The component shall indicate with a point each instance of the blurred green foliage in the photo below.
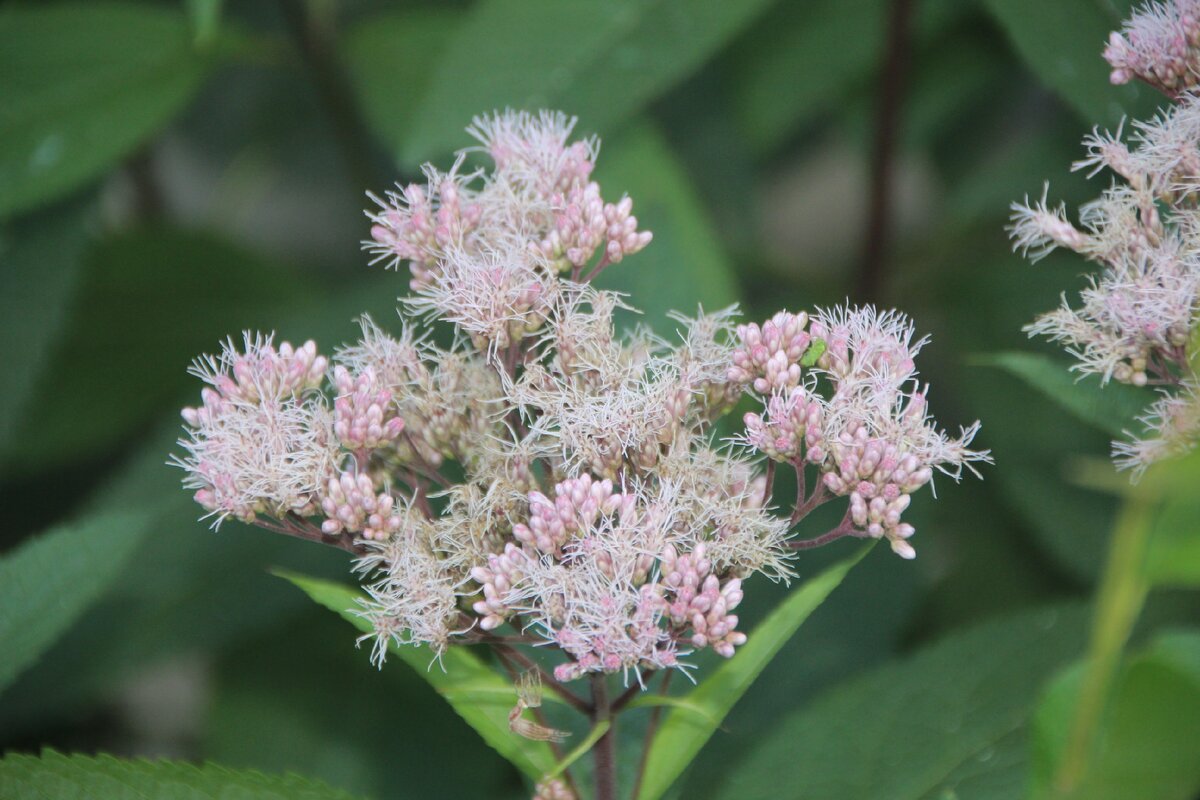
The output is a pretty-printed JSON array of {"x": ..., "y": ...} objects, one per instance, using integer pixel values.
[{"x": 174, "y": 172}]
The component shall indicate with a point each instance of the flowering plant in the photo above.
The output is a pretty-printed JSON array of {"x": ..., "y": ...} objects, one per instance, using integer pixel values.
[{"x": 541, "y": 480}]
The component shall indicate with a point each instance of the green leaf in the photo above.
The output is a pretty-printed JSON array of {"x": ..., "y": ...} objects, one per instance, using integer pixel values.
[
  {"x": 47, "y": 582},
  {"x": 24, "y": 777},
  {"x": 1062, "y": 42},
  {"x": 602, "y": 60},
  {"x": 83, "y": 85},
  {"x": 684, "y": 265},
  {"x": 1150, "y": 742},
  {"x": 946, "y": 722},
  {"x": 1111, "y": 408},
  {"x": 1173, "y": 557},
  {"x": 388, "y": 55},
  {"x": 38, "y": 274},
  {"x": 460, "y": 671},
  {"x": 684, "y": 731}
]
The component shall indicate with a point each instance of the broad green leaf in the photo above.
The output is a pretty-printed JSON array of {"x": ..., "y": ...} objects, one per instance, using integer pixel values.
[
  {"x": 48, "y": 581},
  {"x": 54, "y": 775},
  {"x": 801, "y": 59},
  {"x": 946, "y": 722},
  {"x": 1150, "y": 742},
  {"x": 147, "y": 303},
  {"x": 602, "y": 60},
  {"x": 684, "y": 731},
  {"x": 684, "y": 265},
  {"x": 388, "y": 55},
  {"x": 1173, "y": 558},
  {"x": 459, "y": 670},
  {"x": 1111, "y": 408},
  {"x": 39, "y": 264},
  {"x": 83, "y": 85},
  {"x": 1061, "y": 42}
]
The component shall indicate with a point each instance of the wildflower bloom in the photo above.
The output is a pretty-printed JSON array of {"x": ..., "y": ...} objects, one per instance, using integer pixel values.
[
  {"x": 1158, "y": 44},
  {"x": 1137, "y": 316},
  {"x": 543, "y": 478}
]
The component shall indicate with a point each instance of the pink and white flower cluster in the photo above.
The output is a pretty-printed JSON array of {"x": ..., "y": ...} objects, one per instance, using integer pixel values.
[
  {"x": 544, "y": 477},
  {"x": 1136, "y": 320}
]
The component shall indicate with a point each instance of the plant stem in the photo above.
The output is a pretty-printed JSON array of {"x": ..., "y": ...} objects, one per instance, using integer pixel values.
[
  {"x": 303, "y": 529},
  {"x": 1119, "y": 601},
  {"x": 651, "y": 729},
  {"x": 844, "y": 528},
  {"x": 569, "y": 697},
  {"x": 891, "y": 95},
  {"x": 604, "y": 752}
]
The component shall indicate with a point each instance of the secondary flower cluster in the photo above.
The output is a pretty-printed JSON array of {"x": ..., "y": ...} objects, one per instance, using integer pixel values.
[
  {"x": 543, "y": 478},
  {"x": 1159, "y": 44},
  {"x": 1139, "y": 315}
]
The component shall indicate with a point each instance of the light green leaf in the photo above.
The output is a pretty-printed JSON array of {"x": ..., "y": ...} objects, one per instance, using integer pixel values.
[
  {"x": 602, "y": 60},
  {"x": 1111, "y": 408},
  {"x": 1061, "y": 42},
  {"x": 83, "y": 85},
  {"x": 47, "y": 582},
  {"x": 485, "y": 711},
  {"x": 947, "y": 722},
  {"x": 39, "y": 264},
  {"x": 1150, "y": 742},
  {"x": 684, "y": 731},
  {"x": 24, "y": 777},
  {"x": 684, "y": 265},
  {"x": 388, "y": 55}
]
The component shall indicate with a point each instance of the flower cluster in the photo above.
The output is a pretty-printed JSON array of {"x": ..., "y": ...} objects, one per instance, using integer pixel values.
[
  {"x": 1137, "y": 317},
  {"x": 1159, "y": 44},
  {"x": 545, "y": 479}
]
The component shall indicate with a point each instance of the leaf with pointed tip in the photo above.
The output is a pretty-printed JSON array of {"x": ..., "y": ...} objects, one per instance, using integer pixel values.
[
  {"x": 685, "y": 730},
  {"x": 480, "y": 696},
  {"x": 25, "y": 777}
]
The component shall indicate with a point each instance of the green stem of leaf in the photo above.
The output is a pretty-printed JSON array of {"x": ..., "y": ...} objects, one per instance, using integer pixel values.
[
  {"x": 1121, "y": 595},
  {"x": 598, "y": 730}
]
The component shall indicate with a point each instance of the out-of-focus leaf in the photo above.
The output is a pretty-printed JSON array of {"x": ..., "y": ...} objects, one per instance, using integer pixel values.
[
  {"x": 1150, "y": 743},
  {"x": 24, "y": 777},
  {"x": 684, "y": 731},
  {"x": 83, "y": 85},
  {"x": 389, "y": 56},
  {"x": 148, "y": 302},
  {"x": 1111, "y": 408},
  {"x": 1061, "y": 42},
  {"x": 460, "y": 671},
  {"x": 802, "y": 57},
  {"x": 303, "y": 698},
  {"x": 47, "y": 582},
  {"x": 39, "y": 263},
  {"x": 684, "y": 265},
  {"x": 1173, "y": 558},
  {"x": 946, "y": 722},
  {"x": 599, "y": 59}
]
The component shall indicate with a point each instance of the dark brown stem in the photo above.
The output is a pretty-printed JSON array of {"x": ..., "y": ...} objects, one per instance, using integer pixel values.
[
  {"x": 591, "y": 276},
  {"x": 316, "y": 42},
  {"x": 803, "y": 508},
  {"x": 149, "y": 202},
  {"x": 887, "y": 123},
  {"x": 604, "y": 751},
  {"x": 303, "y": 529},
  {"x": 548, "y": 679},
  {"x": 651, "y": 729},
  {"x": 769, "y": 489}
]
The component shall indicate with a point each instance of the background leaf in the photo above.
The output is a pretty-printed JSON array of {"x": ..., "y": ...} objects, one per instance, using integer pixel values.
[
  {"x": 945, "y": 722},
  {"x": 1150, "y": 742},
  {"x": 683, "y": 731},
  {"x": 462, "y": 678},
  {"x": 49, "y": 580},
  {"x": 55, "y": 775},
  {"x": 598, "y": 59},
  {"x": 83, "y": 85},
  {"x": 1062, "y": 42},
  {"x": 1111, "y": 408}
]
